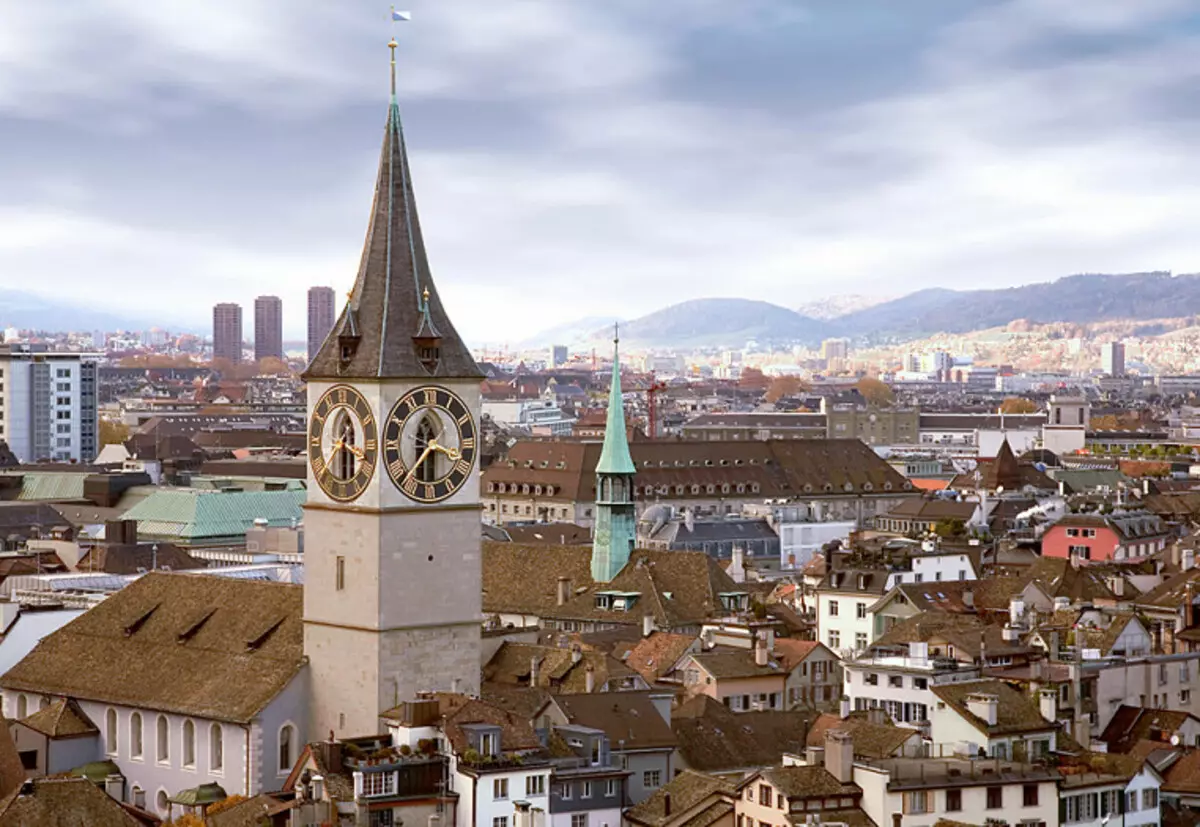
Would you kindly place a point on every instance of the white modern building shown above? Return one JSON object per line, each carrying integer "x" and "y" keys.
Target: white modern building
{"x": 48, "y": 403}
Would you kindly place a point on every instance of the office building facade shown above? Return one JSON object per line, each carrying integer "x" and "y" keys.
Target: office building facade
{"x": 321, "y": 316}
{"x": 268, "y": 328}
{"x": 227, "y": 332}
{"x": 48, "y": 404}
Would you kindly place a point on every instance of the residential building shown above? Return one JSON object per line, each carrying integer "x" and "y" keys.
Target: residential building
{"x": 220, "y": 667}
{"x": 1112, "y": 359}
{"x": 988, "y": 716}
{"x": 835, "y": 349}
{"x": 48, "y": 404}
{"x": 794, "y": 794}
{"x": 873, "y": 736}
{"x": 814, "y": 673}
{"x": 268, "y": 328}
{"x": 843, "y": 600}
{"x": 1123, "y": 536}
{"x": 227, "y": 332}
{"x": 322, "y": 312}
{"x": 1132, "y": 725}
{"x": 706, "y": 478}
{"x": 874, "y": 426}
{"x": 919, "y": 516}
{"x": 740, "y": 679}
{"x": 392, "y": 539}
{"x": 636, "y": 732}
{"x": 935, "y": 564}
{"x": 915, "y": 792}
{"x": 713, "y": 738}
{"x": 1123, "y": 791}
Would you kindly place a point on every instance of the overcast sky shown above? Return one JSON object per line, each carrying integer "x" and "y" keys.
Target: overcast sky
{"x": 594, "y": 157}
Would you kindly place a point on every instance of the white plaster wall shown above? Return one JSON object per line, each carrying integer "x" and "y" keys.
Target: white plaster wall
{"x": 846, "y": 622}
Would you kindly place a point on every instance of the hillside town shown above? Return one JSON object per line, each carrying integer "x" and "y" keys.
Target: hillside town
{"x": 389, "y": 580}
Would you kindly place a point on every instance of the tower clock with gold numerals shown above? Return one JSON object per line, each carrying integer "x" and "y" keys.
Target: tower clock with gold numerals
{"x": 429, "y": 444}
{"x": 343, "y": 444}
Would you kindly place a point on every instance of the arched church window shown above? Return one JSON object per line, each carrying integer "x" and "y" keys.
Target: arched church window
{"x": 426, "y": 434}
{"x": 344, "y": 439}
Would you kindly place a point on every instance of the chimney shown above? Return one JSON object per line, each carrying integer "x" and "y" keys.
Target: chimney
{"x": 769, "y": 634}
{"x": 1009, "y": 634}
{"x": 534, "y": 662}
{"x": 878, "y": 715}
{"x": 114, "y": 785}
{"x": 1145, "y": 486}
{"x": 968, "y": 598}
{"x": 564, "y": 590}
{"x": 139, "y": 798}
{"x": 844, "y": 710}
{"x": 839, "y": 755}
{"x": 897, "y": 819}
{"x": 647, "y": 625}
{"x": 331, "y": 754}
{"x": 760, "y": 651}
{"x": 666, "y": 804}
{"x": 589, "y": 685}
{"x": 984, "y": 707}
{"x": 576, "y": 653}
{"x": 1048, "y": 703}
{"x": 1054, "y": 646}
{"x": 1116, "y": 584}
{"x": 1189, "y": 559}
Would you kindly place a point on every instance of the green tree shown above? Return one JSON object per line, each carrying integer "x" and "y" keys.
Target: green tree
{"x": 113, "y": 432}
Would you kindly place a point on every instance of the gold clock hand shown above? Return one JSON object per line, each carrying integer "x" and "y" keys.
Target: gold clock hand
{"x": 428, "y": 449}
{"x": 453, "y": 453}
{"x": 358, "y": 452}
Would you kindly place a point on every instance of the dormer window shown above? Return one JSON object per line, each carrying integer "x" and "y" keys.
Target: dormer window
{"x": 489, "y": 743}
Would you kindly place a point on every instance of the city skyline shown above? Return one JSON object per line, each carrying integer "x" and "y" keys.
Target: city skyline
{"x": 565, "y": 144}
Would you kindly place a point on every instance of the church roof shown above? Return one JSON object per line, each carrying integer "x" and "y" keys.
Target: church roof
{"x": 614, "y": 457}
{"x": 394, "y": 298}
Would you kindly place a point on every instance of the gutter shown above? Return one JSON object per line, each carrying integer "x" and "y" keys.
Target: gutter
{"x": 247, "y": 782}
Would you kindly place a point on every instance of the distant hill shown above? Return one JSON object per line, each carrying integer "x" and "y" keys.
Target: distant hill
{"x": 832, "y": 307}
{"x": 719, "y": 322}
{"x": 1081, "y": 299}
{"x": 572, "y": 332}
{"x": 25, "y": 311}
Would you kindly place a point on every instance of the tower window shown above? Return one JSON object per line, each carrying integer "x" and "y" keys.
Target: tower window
{"x": 426, "y": 470}
{"x": 344, "y": 460}
{"x": 340, "y": 573}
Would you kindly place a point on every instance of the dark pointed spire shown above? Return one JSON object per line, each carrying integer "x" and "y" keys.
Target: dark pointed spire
{"x": 393, "y": 325}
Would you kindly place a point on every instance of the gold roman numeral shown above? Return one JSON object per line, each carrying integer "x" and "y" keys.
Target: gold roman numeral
{"x": 429, "y": 492}
{"x": 370, "y": 445}
{"x": 318, "y": 465}
{"x": 430, "y": 396}
{"x": 463, "y": 467}
{"x": 410, "y": 486}
{"x": 464, "y": 419}
{"x": 468, "y": 443}
{"x": 391, "y": 445}
{"x": 396, "y": 468}
{"x": 368, "y": 420}
{"x": 341, "y": 396}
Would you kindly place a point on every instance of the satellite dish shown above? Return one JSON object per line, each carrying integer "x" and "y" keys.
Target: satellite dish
{"x": 1175, "y": 739}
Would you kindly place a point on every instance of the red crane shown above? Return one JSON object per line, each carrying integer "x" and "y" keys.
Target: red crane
{"x": 652, "y": 393}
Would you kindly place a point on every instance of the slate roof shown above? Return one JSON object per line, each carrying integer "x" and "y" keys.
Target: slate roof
{"x": 386, "y": 308}
{"x": 623, "y": 716}
{"x": 66, "y": 802}
{"x": 1131, "y": 724}
{"x": 1015, "y": 713}
{"x": 687, "y": 790}
{"x": 212, "y": 647}
{"x": 714, "y": 738}
{"x": 197, "y": 516}
{"x": 870, "y": 740}
{"x": 63, "y": 718}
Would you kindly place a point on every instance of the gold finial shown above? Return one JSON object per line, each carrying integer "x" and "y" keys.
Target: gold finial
{"x": 425, "y": 296}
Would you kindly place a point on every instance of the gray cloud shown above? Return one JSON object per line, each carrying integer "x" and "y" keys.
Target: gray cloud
{"x": 577, "y": 159}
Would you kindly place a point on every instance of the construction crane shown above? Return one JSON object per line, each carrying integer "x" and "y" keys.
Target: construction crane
{"x": 652, "y": 393}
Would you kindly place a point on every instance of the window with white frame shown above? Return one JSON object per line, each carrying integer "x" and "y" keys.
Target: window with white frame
{"x": 377, "y": 784}
{"x": 189, "y": 743}
{"x": 579, "y": 820}
{"x": 500, "y": 821}
{"x": 499, "y": 789}
{"x": 586, "y": 791}
{"x": 135, "y": 735}
{"x": 833, "y": 608}
{"x": 216, "y": 747}
{"x": 287, "y": 744}
{"x": 535, "y": 785}
{"x": 163, "y": 752}
{"x": 652, "y": 779}
{"x": 110, "y": 732}
{"x": 610, "y": 788}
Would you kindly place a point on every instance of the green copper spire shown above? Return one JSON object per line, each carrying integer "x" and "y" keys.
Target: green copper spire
{"x": 615, "y": 458}
{"x": 616, "y": 529}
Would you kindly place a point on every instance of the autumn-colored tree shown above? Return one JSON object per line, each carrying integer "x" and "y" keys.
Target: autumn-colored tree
{"x": 753, "y": 379}
{"x": 113, "y": 432}
{"x": 270, "y": 366}
{"x": 225, "y": 804}
{"x": 876, "y": 393}
{"x": 1018, "y": 405}
{"x": 782, "y": 386}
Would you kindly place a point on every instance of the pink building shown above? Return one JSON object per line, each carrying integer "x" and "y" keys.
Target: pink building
{"x": 1096, "y": 538}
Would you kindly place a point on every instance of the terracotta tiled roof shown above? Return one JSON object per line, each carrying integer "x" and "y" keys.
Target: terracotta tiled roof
{"x": 623, "y": 716}
{"x": 714, "y": 738}
{"x": 738, "y": 663}
{"x": 1131, "y": 724}
{"x": 213, "y": 647}
{"x": 1056, "y": 577}
{"x": 989, "y": 594}
{"x": 653, "y": 656}
{"x": 686, "y": 791}
{"x": 63, "y": 718}
{"x": 516, "y": 733}
{"x": 558, "y": 669}
{"x": 870, "y": 740}
{"x": 1014, "y": 712}
{"x": 965, "y": 632}
{"x": 524, "y": 579}
{"x": 808, "y": 782}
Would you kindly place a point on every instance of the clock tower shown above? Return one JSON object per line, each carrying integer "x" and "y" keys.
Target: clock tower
{"x": 392, "y": 594}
